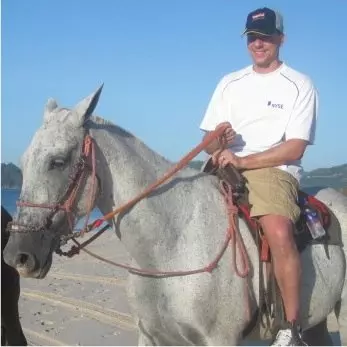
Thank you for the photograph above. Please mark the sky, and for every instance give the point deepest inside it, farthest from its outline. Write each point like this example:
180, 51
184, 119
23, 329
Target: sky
160, 61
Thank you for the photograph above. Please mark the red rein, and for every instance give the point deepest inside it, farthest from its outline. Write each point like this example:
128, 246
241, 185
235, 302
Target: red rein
232, 235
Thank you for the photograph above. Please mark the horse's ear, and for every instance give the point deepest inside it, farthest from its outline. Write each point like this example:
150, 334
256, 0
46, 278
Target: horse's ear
50, 106
85, 108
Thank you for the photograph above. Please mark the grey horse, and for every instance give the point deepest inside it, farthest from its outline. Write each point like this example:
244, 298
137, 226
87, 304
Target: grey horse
180, 226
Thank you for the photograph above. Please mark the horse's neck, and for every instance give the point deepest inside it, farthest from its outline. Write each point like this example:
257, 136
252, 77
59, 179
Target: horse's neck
173, 218
126, 167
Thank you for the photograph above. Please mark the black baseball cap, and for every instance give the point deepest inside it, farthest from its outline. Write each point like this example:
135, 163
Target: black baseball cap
264, 21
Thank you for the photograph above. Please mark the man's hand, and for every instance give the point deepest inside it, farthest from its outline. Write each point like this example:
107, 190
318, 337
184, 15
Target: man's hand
223, 141
229, 134
225, 157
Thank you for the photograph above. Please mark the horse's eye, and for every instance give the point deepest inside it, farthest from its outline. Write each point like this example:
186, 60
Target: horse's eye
57, 164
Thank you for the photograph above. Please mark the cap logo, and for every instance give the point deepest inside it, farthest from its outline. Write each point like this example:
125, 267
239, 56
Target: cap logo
260, 15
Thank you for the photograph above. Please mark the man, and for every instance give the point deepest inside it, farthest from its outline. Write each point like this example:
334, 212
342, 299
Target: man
271, 111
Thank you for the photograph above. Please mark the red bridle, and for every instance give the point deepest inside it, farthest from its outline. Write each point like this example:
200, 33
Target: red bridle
66, 203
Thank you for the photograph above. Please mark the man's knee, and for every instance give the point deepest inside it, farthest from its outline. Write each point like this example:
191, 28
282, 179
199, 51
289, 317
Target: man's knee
278, 231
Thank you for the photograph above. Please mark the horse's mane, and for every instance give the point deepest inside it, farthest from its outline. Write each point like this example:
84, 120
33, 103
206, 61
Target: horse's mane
102, 121
96, 121
99, 122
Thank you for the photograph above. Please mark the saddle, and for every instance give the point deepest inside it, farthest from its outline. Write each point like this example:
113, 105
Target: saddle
271, 305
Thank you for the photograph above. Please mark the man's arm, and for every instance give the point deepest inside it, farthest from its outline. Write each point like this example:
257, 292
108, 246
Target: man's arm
280, 155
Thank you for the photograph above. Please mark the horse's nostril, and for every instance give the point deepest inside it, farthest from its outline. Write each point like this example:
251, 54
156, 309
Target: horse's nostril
26, 260
22, 259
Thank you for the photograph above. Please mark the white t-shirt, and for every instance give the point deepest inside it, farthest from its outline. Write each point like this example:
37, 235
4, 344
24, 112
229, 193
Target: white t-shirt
265, 110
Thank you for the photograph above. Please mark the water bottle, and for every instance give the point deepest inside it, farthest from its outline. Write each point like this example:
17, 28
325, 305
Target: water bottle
313, 223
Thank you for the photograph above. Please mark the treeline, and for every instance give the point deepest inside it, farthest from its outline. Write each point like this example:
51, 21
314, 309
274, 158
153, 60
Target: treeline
11, 176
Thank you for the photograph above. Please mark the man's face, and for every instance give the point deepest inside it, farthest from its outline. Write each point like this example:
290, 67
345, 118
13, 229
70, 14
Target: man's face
264, 49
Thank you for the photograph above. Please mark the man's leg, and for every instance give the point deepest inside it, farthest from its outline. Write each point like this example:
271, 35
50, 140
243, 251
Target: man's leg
273, 196
279, 234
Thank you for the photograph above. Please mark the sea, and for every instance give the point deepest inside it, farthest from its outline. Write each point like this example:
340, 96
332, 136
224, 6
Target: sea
9, 198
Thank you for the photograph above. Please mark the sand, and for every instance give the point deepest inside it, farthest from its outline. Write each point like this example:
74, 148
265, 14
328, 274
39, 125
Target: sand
82, 301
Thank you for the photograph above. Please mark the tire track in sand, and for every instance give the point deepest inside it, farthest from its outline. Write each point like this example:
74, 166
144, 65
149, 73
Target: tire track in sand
104, 315
96, 279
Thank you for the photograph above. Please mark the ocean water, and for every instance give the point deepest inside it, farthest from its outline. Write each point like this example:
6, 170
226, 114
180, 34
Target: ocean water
9, 198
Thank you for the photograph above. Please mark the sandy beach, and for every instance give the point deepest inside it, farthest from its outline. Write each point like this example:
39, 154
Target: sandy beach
82, 301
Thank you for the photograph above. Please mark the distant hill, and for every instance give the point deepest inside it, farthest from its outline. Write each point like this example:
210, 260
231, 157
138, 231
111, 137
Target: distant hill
334, 177
11, 176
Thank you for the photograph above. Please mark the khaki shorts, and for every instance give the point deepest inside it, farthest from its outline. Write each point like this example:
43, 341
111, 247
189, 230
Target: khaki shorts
272, 191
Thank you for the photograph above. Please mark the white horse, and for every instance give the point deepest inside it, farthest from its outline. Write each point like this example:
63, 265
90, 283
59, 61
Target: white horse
180, 226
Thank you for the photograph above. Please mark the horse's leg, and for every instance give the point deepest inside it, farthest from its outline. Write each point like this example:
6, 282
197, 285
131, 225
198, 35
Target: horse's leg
341, 316
10, 290
318, 335
11, 329
3, 334
14, 335
145, 338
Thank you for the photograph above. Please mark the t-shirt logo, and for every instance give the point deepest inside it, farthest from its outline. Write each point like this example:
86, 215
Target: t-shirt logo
273, 105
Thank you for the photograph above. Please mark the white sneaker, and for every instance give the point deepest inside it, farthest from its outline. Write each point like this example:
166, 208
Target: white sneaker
285, 337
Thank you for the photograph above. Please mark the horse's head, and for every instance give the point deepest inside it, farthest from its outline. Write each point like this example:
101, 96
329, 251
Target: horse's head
58, 185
